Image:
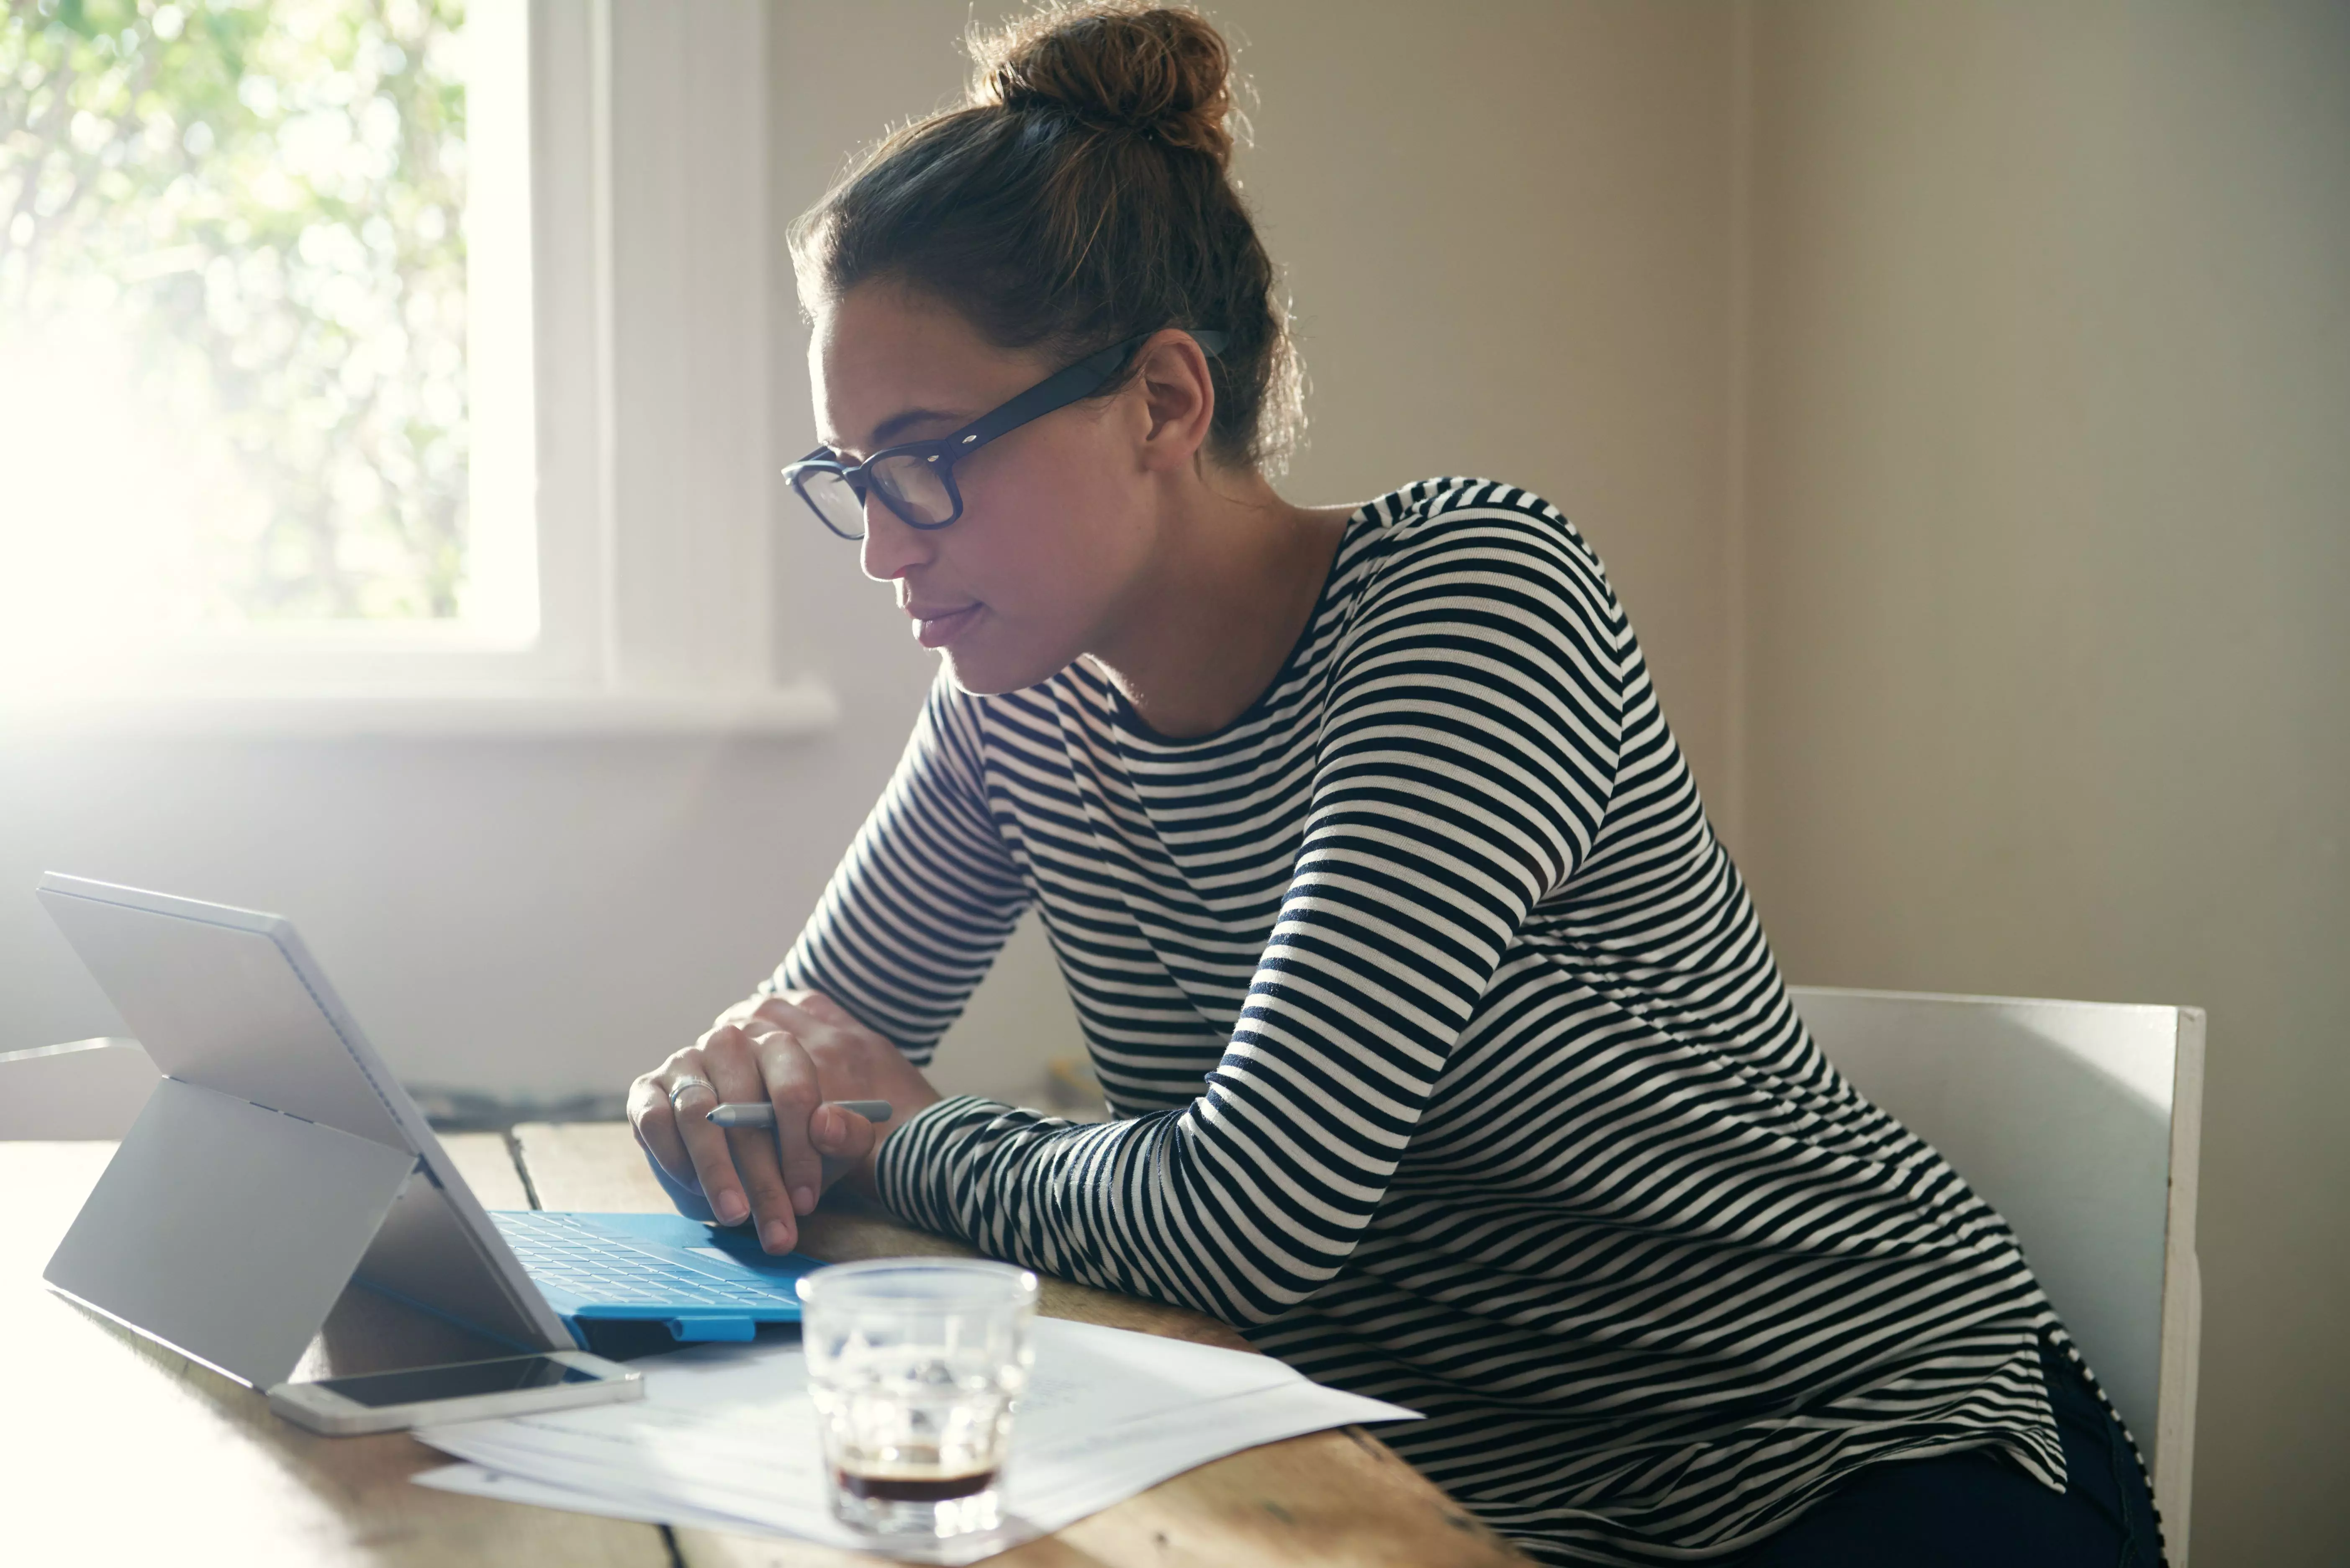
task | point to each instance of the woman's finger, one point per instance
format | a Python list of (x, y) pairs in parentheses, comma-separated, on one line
[(791, 1087), (656, 1127), (843, 1137), (736, 1068), (692, 1091)]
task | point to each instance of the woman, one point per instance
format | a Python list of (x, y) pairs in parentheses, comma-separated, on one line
[(1447, 1055)]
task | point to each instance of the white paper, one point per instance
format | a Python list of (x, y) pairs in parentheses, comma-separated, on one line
[(726, 1437)]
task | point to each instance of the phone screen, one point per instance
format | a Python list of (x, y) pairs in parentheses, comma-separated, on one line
[(458, 1381)]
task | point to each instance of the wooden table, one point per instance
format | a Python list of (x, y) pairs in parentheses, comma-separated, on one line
[(113, 1450)]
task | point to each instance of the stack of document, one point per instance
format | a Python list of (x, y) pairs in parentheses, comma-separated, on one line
[(726, 1437)]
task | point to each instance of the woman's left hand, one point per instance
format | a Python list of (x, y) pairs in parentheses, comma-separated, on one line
[(852, 1063)]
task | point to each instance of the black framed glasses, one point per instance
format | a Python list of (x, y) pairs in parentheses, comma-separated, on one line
[(916, 479)]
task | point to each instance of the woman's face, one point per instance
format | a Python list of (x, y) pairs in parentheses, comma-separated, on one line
[(1058, 521)]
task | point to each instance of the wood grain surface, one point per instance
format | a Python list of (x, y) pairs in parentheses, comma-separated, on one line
[(1338, 1498)]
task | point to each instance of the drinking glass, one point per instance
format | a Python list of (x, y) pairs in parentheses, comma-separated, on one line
[(915, 1364)]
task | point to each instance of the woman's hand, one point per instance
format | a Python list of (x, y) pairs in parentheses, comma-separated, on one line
[(795, 1051), (852, 1063)]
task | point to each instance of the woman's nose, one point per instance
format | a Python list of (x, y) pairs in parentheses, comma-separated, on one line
[(891, 548)]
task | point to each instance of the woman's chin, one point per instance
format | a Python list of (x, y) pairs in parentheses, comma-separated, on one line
[(990, 673)]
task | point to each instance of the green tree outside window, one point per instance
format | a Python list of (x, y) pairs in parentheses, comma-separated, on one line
[(254, 211)]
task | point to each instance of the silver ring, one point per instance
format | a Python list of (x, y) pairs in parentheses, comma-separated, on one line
[(684, 1083)]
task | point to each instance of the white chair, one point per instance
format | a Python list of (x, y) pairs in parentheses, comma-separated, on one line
[(2080, 1122)]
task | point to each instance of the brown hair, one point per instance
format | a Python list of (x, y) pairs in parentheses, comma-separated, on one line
[(1080, 197)]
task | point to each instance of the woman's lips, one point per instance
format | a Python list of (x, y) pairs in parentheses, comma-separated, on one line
[(937, 628)]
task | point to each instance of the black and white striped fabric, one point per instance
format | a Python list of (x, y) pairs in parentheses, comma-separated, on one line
[(1447, 1056)]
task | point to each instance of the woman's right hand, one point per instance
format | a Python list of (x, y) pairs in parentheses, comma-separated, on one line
[(772, 1177)]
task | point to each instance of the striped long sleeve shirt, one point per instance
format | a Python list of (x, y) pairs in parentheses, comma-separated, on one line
[(1445, 1056)]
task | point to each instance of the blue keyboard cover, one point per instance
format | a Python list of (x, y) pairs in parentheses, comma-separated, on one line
[(704, 1282)]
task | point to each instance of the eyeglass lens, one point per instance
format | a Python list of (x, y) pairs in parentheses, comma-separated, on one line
[(832, 500), (916, 486), (913, 487)]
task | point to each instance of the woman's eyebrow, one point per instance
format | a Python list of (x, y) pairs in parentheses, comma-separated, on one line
[(898, 422)]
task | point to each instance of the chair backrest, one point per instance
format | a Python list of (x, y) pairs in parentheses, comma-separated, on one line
[(2080, 1123)]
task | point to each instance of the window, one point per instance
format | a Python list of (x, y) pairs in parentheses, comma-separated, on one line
[(243, 326), (356, 345)]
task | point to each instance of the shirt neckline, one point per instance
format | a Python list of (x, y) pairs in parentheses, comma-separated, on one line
[(1129, 719)]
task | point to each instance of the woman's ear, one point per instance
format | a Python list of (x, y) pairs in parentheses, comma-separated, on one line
[(1179, 396)]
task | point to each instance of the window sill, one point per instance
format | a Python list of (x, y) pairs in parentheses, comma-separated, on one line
[(799, 708)]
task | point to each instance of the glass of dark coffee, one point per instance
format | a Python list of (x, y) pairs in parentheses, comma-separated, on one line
[(915, 1365)]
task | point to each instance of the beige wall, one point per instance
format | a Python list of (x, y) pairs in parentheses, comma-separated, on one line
[(1508, 236), (2048, 545)]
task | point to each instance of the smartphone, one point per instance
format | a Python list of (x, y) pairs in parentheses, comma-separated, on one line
[(459, 1391)]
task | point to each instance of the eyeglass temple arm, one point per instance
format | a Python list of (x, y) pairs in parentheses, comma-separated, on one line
[(1063, 388)]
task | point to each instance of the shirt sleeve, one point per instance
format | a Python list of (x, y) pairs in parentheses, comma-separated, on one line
[(926, 896), (1470, 751)]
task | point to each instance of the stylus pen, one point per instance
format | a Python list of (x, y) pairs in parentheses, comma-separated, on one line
[(760, 1114)]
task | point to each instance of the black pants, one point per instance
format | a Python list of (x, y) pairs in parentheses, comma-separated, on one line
[(1973, 1511)]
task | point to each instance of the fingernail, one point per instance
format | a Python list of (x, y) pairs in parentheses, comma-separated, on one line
[(777, 1237), (732, 1207), (804, 1200)]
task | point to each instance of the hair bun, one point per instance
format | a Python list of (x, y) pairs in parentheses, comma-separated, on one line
[(1148, 69)]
